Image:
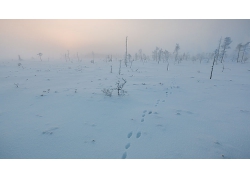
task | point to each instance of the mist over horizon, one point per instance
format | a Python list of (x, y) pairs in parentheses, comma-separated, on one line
[(54, 38)]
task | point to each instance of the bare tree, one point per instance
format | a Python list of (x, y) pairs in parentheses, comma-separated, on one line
[(216, 54), (166, 57), (131, 62), (77, 57), (66, 58), (136, 56), (160, 55), (110, 60), (218, 50), (155, 54), (68, 55), (225, 46), (120, 67), (129, 57), (245, 47), (126, 53), (239, 48), (140, 54), (40, 55), (19, 58), (200, 56), (120, 86), (93, 58), (176, 51), (144, 58)]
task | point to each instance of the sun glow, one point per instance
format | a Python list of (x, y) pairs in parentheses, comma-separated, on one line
[(29, 37)]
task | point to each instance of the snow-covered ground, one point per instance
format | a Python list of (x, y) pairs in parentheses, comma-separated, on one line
[(52, 109)]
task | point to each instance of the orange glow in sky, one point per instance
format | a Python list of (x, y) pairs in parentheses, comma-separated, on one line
[(55, 37)]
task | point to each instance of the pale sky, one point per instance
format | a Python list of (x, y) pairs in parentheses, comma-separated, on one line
[(54, 37)]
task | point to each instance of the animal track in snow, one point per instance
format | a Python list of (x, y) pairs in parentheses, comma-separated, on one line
[(244, 111), (157, 102), (130, 134), (124, 155), (127, 146), (50, 131), (179, 112), (138, 134)]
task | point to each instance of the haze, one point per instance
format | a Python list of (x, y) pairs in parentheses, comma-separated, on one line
[(54, 38)]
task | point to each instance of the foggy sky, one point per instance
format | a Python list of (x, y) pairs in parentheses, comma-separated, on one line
[(54, 37)]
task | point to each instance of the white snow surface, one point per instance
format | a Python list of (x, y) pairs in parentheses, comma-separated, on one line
[(59, 111)]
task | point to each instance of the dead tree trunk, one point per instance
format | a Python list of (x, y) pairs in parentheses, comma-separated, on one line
[(215, 57), (126, 53), (218, 50), (120, 67), (244, 50)]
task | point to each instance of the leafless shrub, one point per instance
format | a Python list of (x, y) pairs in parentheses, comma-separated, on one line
[(119, 87), (107, 92)]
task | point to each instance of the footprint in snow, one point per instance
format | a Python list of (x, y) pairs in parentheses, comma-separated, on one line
[(124, 155), (143, 115), (130, 134), (144, 111), (50, 131), (138, 134), (150, 112), (142, 120), (127, 146)]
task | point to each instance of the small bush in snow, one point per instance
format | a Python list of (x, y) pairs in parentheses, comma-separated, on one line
[(119, 87), (122, 92), (107, 92)]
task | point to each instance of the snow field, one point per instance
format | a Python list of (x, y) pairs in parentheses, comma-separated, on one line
[(59, 110)]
